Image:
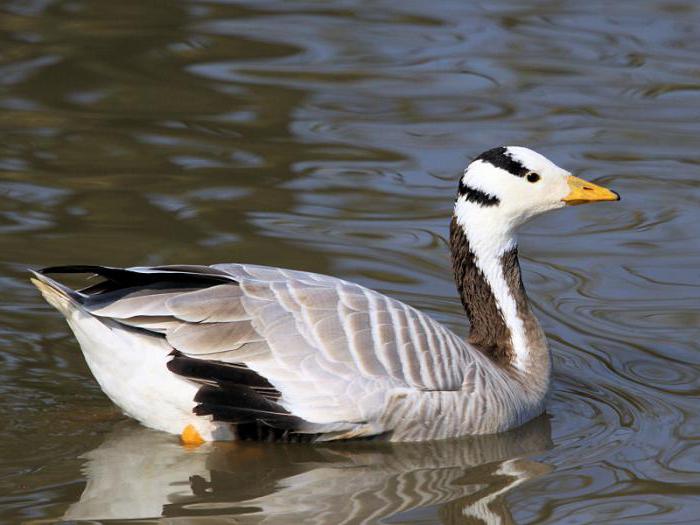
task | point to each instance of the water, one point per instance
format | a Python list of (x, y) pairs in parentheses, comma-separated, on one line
[(329, 136)]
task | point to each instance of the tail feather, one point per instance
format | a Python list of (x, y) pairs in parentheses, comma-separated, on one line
[(61, 297)]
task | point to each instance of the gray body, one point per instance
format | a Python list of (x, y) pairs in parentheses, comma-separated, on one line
[(316, 355)]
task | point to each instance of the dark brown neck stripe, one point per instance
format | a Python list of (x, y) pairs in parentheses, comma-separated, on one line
[(489, 332)]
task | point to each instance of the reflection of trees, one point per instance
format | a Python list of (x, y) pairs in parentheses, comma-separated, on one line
[(137, 473)]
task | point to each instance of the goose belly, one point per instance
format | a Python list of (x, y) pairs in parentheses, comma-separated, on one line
[(130, 367)]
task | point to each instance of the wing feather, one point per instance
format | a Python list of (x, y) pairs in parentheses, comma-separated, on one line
[(332, 351), (221, 303), (132, 302), (209, 338)]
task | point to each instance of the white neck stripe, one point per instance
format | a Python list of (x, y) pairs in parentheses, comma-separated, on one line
[(488, 243)]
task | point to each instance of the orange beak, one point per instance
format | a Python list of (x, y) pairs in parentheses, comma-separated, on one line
[(582, 192)]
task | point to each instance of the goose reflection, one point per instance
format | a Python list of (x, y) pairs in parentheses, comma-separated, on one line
[(138, 473)]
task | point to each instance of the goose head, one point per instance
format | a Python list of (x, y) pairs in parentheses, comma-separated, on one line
[(504, 187), (500, 190)]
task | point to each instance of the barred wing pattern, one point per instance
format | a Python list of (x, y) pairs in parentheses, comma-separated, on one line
[(333, 354)]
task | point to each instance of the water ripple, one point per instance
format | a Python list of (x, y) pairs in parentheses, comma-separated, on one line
[(329, 137)]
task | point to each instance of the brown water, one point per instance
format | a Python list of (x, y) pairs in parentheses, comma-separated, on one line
[(329, 136)]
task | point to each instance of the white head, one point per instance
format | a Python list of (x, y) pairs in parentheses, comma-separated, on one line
[(504, 187), (500, 190)]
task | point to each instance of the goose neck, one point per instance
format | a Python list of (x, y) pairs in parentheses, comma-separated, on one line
[(487, 274)]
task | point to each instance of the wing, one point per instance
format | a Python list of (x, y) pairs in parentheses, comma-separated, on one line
[(294, 346)]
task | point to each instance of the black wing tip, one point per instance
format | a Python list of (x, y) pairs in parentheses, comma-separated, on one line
[(145, 276)]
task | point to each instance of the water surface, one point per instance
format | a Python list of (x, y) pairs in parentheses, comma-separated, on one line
[(329, 136)]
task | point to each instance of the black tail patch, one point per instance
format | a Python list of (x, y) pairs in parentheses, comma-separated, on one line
[(205, 371), (236, 394)]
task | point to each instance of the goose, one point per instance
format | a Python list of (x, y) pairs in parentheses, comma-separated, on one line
[(239, 351)]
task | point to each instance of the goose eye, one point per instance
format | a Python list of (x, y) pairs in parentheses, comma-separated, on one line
[(533, 177)]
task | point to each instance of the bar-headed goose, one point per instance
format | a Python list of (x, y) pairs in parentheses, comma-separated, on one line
[(235, 351)]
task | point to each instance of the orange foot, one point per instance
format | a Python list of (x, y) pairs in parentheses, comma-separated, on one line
[(190, 437)]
